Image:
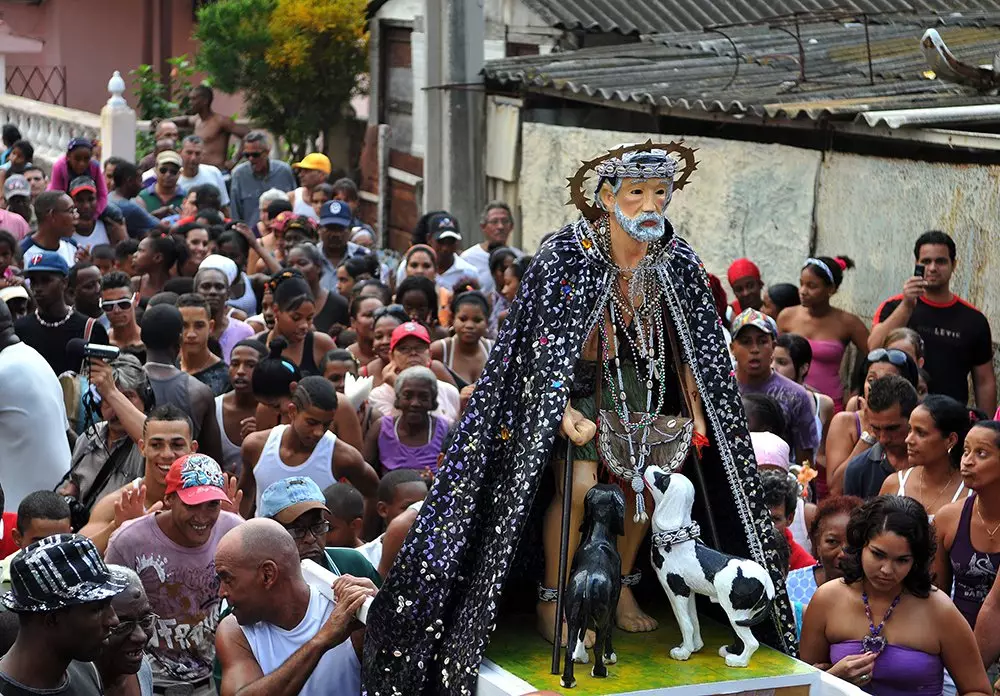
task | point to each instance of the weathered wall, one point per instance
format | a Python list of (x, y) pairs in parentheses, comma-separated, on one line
[(745, 199), (760, 201), (873, 209)]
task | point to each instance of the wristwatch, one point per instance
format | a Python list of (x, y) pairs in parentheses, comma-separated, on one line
[(868, 438)]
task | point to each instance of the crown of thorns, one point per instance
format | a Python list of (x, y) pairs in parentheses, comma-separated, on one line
[(612, 165)]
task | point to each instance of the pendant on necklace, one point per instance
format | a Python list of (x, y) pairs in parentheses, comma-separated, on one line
[(873, 644)]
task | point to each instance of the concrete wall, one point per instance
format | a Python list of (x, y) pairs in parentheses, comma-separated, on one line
[(760, 201)]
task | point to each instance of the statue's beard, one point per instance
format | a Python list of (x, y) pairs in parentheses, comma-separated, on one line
[(635, 228)]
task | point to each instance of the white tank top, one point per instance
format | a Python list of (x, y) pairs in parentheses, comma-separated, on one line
[(232, 461), (338, 671), (799, 532), (270, 468), (300, 206), (903, 477)]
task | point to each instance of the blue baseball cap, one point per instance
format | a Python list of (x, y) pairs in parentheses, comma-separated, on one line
[(335, 213), (288, 499), (46, 262)]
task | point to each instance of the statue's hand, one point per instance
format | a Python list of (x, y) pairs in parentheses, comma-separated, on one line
[(577, 427)]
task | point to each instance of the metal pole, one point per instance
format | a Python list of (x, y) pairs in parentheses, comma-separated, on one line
[(563, 555), (712, 530)]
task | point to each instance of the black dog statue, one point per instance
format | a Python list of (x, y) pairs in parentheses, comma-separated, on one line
[(595, 581)]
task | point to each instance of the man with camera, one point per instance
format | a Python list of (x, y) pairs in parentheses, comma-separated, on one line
[(105, 457), (956, 335)]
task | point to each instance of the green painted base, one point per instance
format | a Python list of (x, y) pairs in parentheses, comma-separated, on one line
[(643, 660)]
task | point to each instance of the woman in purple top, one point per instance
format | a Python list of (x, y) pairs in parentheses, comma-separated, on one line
[(415, 438), (79, 161), (968, 530), (883, 626)]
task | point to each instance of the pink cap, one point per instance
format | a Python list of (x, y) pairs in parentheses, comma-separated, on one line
[(770, 450)]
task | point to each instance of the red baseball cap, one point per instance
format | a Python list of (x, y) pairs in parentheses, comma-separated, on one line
[(196, 479), (408, 330)]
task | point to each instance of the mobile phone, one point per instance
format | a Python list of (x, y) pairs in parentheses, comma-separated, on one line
[(918, 270)]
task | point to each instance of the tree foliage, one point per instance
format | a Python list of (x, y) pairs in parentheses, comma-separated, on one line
[(298, 62)]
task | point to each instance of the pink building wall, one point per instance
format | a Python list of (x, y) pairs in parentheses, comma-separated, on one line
[(93, 38)]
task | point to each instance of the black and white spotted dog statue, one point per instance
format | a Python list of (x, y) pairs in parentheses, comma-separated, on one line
[(687, 567), (595, 581)]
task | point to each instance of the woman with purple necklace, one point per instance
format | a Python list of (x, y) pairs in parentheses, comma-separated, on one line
[(883, 626)]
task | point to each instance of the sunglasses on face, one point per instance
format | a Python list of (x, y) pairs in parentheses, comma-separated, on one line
[(111, 305), (125, 628), (169, 170), (890, 355), (317, 530), (254, 155)]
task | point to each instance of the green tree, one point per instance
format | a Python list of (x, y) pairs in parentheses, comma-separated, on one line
[(297, 62)]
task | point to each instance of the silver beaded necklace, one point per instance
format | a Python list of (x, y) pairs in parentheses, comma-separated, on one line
[(53, 324)]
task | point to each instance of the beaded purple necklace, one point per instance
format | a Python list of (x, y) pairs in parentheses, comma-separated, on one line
[(875, 642)]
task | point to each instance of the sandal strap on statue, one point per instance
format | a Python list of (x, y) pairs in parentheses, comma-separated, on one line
[(547, 594), (632, 579)]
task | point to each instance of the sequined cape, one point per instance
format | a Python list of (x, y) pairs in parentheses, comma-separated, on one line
[(432, 619)]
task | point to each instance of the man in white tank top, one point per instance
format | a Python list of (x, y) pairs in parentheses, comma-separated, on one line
[(305, 447), (283, 636), (313, 170)]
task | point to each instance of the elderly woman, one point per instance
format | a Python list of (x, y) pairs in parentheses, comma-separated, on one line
[(123, 666), (105, 458), (410, 346), (415, 438)]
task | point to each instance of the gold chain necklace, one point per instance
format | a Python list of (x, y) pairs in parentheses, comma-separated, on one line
[(983, 520), (929, 505)]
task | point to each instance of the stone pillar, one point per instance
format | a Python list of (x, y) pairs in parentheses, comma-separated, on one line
[(118, 123)]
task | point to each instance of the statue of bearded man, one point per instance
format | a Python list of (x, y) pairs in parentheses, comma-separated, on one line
[(614, 326)]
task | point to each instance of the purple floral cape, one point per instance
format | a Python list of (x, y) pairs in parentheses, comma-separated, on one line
[(432, 619)]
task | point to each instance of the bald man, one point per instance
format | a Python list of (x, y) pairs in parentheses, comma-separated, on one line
[(283, 637)]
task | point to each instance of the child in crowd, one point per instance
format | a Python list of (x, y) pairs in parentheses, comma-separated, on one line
[(398, 491), (347, 509)]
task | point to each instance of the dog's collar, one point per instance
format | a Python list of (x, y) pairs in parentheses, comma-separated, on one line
[(670, 537)]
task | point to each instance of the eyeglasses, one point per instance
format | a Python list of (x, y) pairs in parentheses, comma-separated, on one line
[(122, 304), (169, 170), (890, 355), (72, 210), (254, 155), (393, 309), (317, 530), (125, 628)]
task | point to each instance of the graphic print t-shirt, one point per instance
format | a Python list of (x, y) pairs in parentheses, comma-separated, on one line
[(183, 591)]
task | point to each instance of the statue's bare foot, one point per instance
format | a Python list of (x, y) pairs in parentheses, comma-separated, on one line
[(546, 614), (629, 617)]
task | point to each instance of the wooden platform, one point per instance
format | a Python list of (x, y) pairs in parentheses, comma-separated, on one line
[(645, 667)]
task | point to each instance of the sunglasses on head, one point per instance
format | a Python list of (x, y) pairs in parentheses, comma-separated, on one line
[(125, 303), (392, 309), (169, 170), (889, 355)]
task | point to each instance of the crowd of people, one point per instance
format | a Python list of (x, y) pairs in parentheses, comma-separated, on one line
[(212, 372)]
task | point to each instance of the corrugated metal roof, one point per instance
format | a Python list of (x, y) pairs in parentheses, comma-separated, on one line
[(661, 16), (701, 71)]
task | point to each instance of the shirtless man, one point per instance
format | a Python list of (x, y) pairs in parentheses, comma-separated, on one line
[(214, 129)]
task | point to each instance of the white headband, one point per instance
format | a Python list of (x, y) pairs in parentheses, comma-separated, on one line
[(821, 265)]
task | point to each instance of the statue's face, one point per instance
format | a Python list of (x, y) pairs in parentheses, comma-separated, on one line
[(639, 206)]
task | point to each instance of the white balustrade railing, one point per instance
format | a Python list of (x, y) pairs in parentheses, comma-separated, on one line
[(48, 127)]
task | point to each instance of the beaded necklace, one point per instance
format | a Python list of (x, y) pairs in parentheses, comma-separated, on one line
[(53, 324)]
